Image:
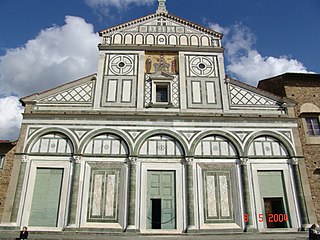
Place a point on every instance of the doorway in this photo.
(275, 213)
(161, 200)
(46, 198)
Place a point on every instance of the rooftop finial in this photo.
(162, 6)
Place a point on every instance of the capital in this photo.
(24, 158)
(133, 160)
(75, 159)
(189, 160)
(243, 161)
(294, 161)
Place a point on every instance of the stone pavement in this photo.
(9, 235)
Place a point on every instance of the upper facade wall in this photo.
(163, 30)
(159, 63)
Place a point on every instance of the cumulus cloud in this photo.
(11, 117)
(245, 62)
(57, 55)
(104, 6)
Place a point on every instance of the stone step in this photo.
(77, 235)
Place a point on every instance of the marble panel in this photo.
(97, 195)
(110, 194)
(224, 196)
(211, 196)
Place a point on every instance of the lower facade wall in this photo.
(213, 189)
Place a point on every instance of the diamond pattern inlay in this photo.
(240, 96)
(81, 93)
(175, 91)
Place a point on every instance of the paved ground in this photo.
(130, 236)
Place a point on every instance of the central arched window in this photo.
(215, 146)
(161, 145)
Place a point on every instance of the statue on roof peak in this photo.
(162, 6)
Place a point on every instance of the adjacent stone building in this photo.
(159, 141)
(304, 89)
(7, 151)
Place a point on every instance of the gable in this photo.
(243, 96)
(79, 92)
(161, 29)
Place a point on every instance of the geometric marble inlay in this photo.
(81, 93)
(240, 96)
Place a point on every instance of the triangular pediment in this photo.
(78, 91)
(161, 75)
(161, 23)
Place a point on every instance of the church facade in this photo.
(158, 141)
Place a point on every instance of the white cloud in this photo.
(104, 6)
(245, 62)
(10, 118)
(57, 55)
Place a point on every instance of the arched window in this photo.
(161, 145)
(106, 144)
(53, 143)
(214, 146)
(267, 147)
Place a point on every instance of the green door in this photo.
(273, 199)
(46, 198)
(161, 200)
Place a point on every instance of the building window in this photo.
(162, 93)
(313, 126)
(1, 161)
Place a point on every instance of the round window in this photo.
(121, 64)
(201, 66)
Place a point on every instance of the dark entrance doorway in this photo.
(276, 216)
(156, 213)
(161, 200)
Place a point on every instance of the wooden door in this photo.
(161, 200)
(46, 198)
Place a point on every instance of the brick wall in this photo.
(311, 152)
(302, 88)
(5, 175)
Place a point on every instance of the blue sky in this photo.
(45, 43)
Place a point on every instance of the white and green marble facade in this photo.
(106, 132)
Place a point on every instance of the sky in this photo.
(46, 43)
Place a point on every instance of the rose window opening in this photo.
(121, 65)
